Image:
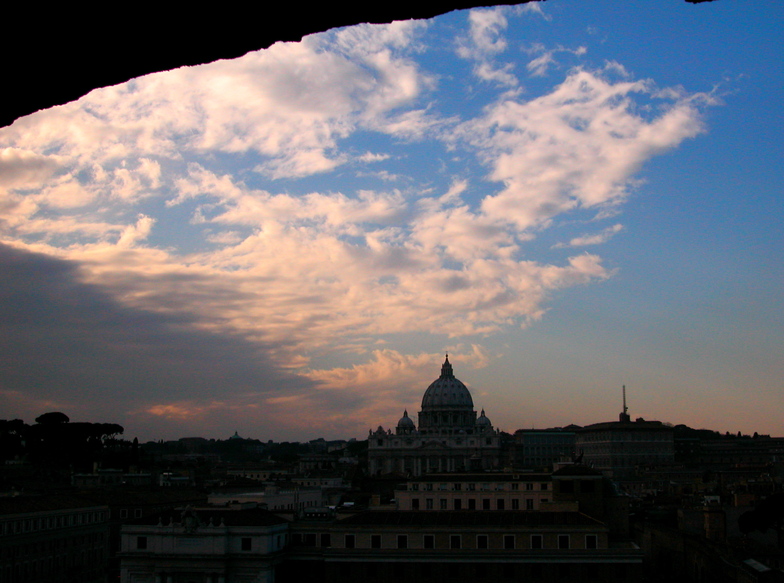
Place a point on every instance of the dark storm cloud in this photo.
(65, 341)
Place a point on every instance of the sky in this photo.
(567, 197)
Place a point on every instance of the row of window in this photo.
(246, 543)
(411, 441)
(456, 541)
(457, 504)
(658, 436)
(87, 567)
(485, 486)
(10, 527)
(52, 545)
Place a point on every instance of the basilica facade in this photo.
(450, 436)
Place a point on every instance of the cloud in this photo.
(596, 239)
(484, 42)
(540, 66)
(24, 169)
(373, 157)
(134, 233)
(396, 382)
(291, 104)
(297, 271)
(202, 216)
(67, 344)
(576, 147)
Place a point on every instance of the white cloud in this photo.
(168, 158)
(373, 157)
(132, 234)
(533, 7)
(484, 43)
(540, 66)
(595, 239)
(576, 147)
(291, 104)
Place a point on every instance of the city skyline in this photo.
(566, 198)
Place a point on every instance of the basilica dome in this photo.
(447, 392)
(483, 422)
(405, 422)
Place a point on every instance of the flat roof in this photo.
(520, 476)
(229, 517)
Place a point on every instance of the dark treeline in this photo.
(55, 441)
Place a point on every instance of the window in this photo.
(415, 504)
(485, 503)
(515, 504)
(375, 541)
(472, 504)
(137, 513)
(563, 541)
(458, 486)
(529, 486)
(544, 486)
(326, 539)
(415, 487)
(529, 503)
(429, 487)
(245, 543)
(591, 541)
(141, 543)
(458, 504)
(537, 541)
(442, 486)
(567, 487)
(481, 541)
(429, 504)
(509, 541)
(430, 541)
(442, 503)
(472, 487)
(402, 541)
(351, 541)
(123, 513)
(454, 541)
(500, 504)
(515, 486)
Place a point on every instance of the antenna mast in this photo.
(624, 416)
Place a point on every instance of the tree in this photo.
(52, 418)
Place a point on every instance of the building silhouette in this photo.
(450, 436)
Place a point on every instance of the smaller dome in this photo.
(482, 421)
(405, 421)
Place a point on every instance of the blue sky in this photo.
(567, 197)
